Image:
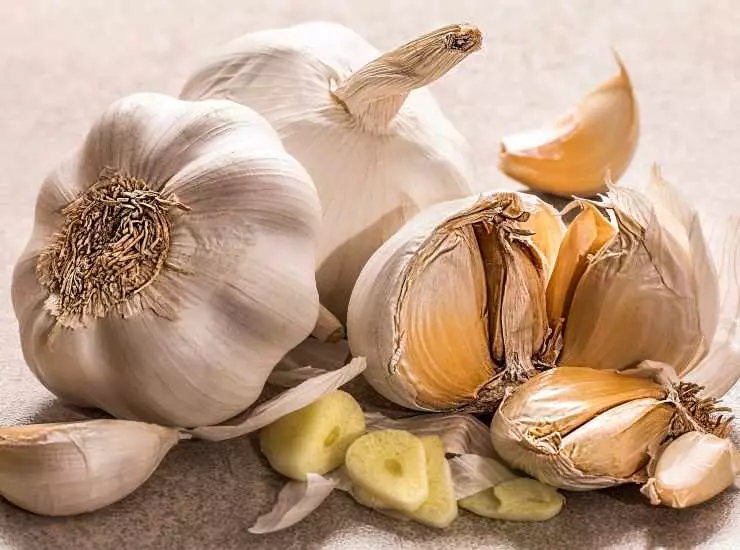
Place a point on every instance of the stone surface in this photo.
(63, 61)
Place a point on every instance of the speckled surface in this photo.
(62, 62)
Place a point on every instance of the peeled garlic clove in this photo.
(67, 469)
(576, 154)
(315, 438)
(692, 469)
(519, 499)
(391, 466)
(472, 264)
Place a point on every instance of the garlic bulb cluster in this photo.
(578, 428)
(67, 469)
(578, 153)
(378, 148)
(451, 309)
(171, 264)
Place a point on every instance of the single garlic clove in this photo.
(586, 234)
(692, 469)
(67, 469)
(391, 466)
(518, 499)
(581, 150)
(315, 438)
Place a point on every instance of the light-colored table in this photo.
(63, 61)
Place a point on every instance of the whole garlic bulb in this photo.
(378, 149)
(451, 309)
(171, 264)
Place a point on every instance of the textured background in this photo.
(63, 61)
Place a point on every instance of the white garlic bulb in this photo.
(451, 309)
(378, 149)
(171, 264)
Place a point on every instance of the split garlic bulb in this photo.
(577, 154)
(378, 149)
(451, 309)
(171, 264)
(72, 468)
(578, 428)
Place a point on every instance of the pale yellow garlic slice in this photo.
(580, 151)
(518, 499)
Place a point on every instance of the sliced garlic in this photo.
(518, 499)
(692, 469)
(440, 507)
(582, 149)
(452, 308)
(67, 469)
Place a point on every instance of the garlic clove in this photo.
(548, 228)
(692, 469)
(67, 469)
(577, 153)
(586, 234)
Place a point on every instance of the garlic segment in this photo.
(628, 290)
(451, 309)
(378, 148)
(692, 469)
(578, 428)
(582, 149)
(171, 264)
(67, 469)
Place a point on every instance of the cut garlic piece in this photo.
(519, 499)
(391, 466)
(582, 149)
(72, 468)
(315, 438)
(440, 508)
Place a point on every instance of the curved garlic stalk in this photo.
(581, 150)
(451, 309)
(67, 469)
(372, 138)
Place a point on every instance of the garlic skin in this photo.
(692, 469)
(378, 148)
(233, 289)
(73, 468)
(580, 151)
(471, 264)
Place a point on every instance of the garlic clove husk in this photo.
(692, 469)
(467, 262)
(67, 469)
(576, 154)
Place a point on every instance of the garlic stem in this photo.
(376, 92)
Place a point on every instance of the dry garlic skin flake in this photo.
(378, 148)
(171, 264)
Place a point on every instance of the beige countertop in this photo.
(63, 61)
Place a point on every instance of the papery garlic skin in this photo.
(68, 469)
(435, 351)
(692, 469)
(584, 148)
(236, 289)
(378, 149)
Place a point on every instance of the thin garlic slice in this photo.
(68, 469)
(576, 154)
(692, 469)
(518, 499)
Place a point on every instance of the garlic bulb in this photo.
(692, 469)
(171, 264)
(640, 285)
(582, 149)
(451, 309)
(578, 428)
(378, 149)
(67, 469)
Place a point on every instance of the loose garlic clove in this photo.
(67, 469)
(582, 149)
(692, 469)
(474, 264)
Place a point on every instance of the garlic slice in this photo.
(72, 468)
(582, 149)
(692, 469)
